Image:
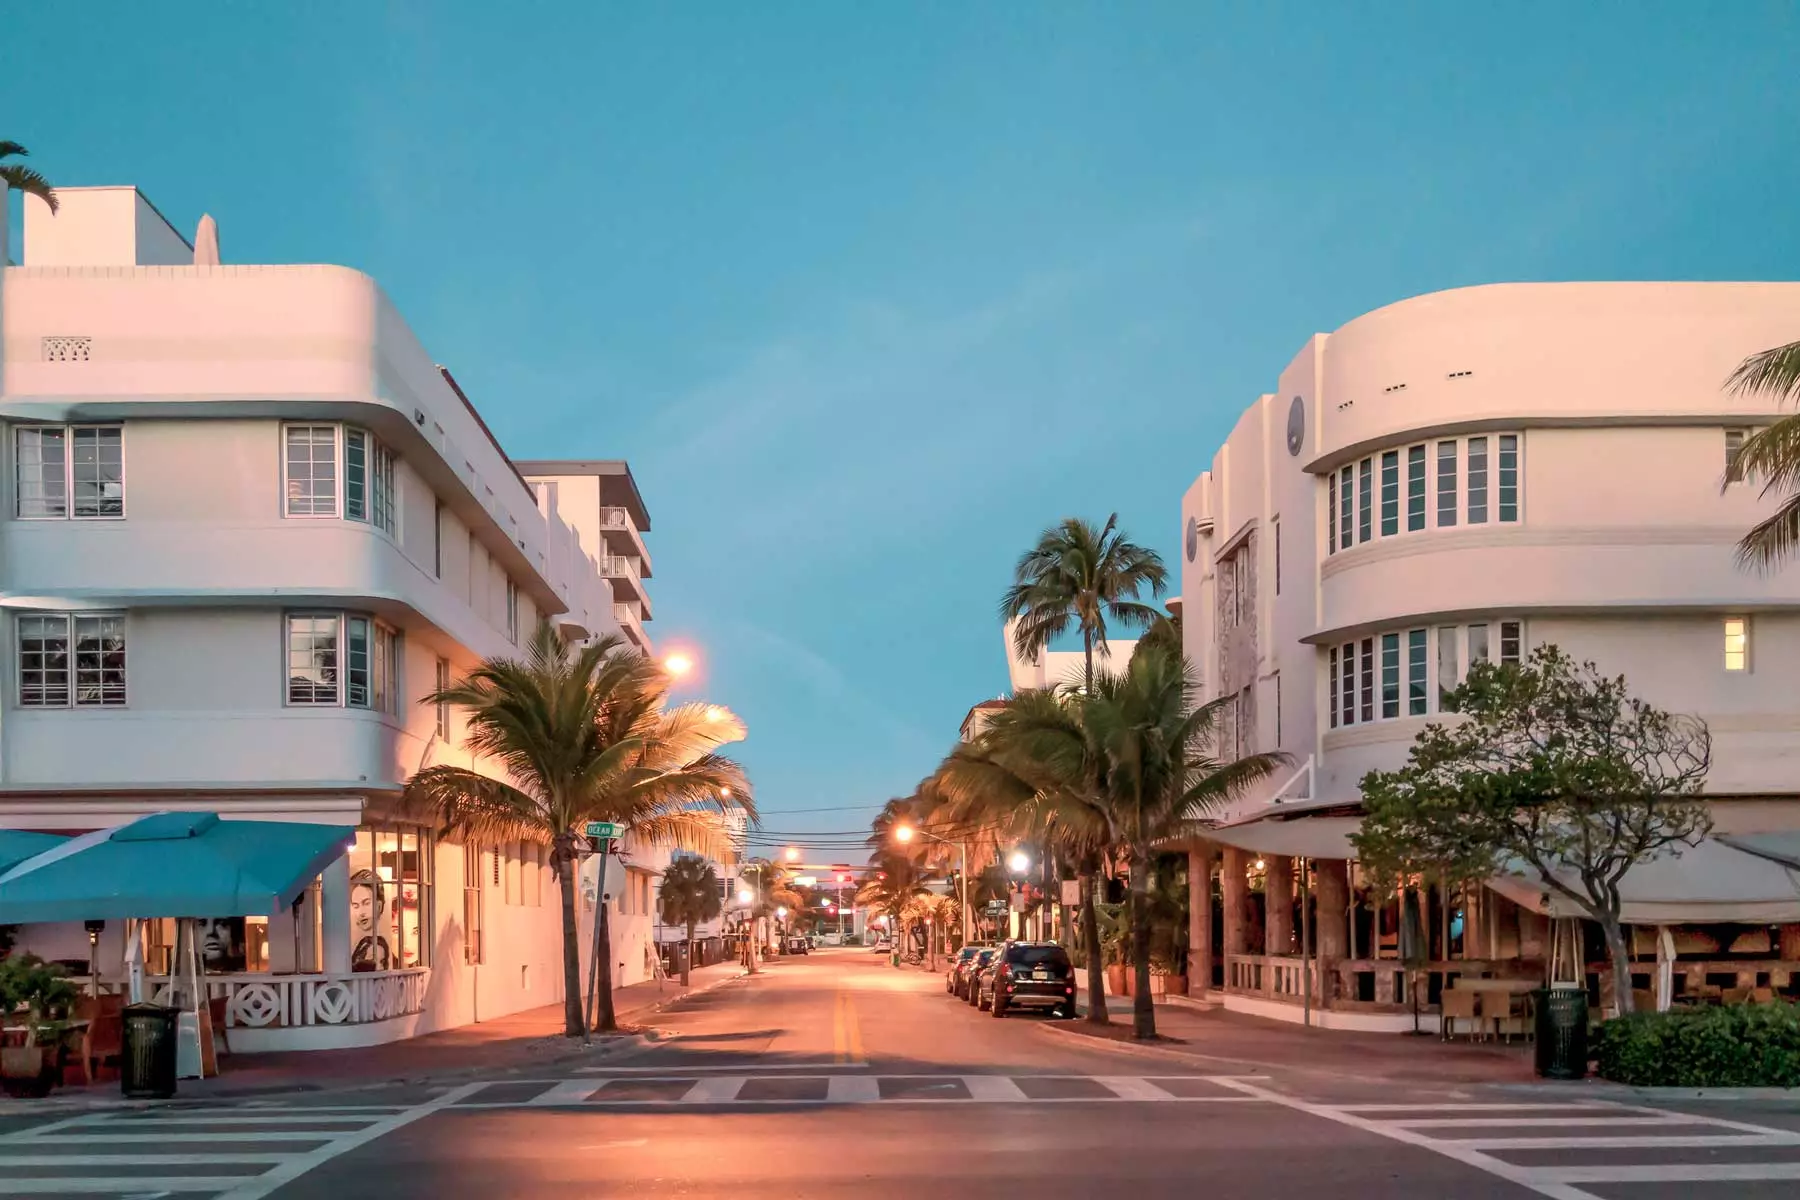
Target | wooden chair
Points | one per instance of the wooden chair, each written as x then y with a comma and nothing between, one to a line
1456,1004
104,1036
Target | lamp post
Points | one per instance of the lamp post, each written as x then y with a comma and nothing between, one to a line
1017,864
748,898
906,833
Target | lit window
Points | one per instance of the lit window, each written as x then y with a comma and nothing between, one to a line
52,461
97,677
1390,493
1415,489
1737,643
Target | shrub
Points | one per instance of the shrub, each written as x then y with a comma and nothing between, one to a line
1743,1045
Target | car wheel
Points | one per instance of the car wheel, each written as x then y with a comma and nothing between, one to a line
1067,1012
997,1008
981,1004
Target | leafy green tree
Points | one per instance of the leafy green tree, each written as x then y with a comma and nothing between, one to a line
689,894
1552,770
585,734
1771,454
23,178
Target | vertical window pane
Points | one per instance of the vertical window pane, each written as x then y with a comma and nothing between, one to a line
1368,679
356,475
1347,696
1331,513
1365,488
41,467
1509,477
1478,481
1346,506
1446,484
1277,524
1331,685
1448,672
1478,644
437,539
512,604
1390,676
312,486
1734,444
1390,493
443,706
97,463
1415,488
1511,641
1737,644
357,670
312,660
1416,695
100,660
43,662
381,487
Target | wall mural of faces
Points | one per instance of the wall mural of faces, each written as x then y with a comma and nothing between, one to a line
389,895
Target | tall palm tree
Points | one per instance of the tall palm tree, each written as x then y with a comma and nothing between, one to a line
1771,454
584,734
23,178
1162,779
690,893
1078,576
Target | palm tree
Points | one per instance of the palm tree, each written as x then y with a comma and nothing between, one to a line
1771,454
1161,779
22,177
1079,576
690,893
584,734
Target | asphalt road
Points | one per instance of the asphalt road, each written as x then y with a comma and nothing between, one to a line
836,1075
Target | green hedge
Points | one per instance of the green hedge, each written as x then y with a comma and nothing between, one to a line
1739,1045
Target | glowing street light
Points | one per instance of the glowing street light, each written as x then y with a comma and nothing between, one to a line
1019,863
678,663
792,854
744,896
903,833
781,913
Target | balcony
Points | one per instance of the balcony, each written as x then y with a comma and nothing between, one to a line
632,626
628,583
620,533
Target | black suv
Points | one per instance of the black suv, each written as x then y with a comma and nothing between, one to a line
1029,975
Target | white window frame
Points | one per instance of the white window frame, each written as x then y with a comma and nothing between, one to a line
379,500
68,433
72,670
1393,498
381,656
1356,670
1742,651
442,680
512,611
1735,437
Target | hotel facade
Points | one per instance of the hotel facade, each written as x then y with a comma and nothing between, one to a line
1468,475
249,524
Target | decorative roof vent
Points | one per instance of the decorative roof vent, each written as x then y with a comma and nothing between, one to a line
67,349
206,242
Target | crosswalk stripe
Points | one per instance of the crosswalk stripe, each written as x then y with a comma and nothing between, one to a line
1684,1142
569,1091
1508,1122
1127,1087
135,1185
853,1089
1672,1173
995,1089
719,1089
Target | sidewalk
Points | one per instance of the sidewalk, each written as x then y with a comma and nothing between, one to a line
527,1040
1218,1035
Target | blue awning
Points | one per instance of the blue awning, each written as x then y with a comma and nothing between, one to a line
17,845
171,865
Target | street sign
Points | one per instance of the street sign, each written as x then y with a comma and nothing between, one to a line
603,829
995,906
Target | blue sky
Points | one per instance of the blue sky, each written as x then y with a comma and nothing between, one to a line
869,294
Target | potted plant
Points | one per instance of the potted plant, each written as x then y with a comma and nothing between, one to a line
35,996
1115,947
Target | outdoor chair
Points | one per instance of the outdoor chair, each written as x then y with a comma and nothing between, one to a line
103,1038
1506,1012
1455,1004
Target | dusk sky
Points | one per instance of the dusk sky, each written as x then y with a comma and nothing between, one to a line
870,294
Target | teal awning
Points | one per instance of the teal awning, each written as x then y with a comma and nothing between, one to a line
171,865
17,845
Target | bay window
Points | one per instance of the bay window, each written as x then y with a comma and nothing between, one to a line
1454,481
1395,673
342,660
314,486
69,472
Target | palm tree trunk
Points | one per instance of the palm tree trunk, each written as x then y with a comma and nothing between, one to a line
607,1021
1143,1005
573,1023
1090,939
1087,659
687,955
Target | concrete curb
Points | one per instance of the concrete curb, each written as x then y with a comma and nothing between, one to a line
1162,1053
1605,1089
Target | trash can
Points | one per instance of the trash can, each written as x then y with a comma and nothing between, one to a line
1562,1033
147,1064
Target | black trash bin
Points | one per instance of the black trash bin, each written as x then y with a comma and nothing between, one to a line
147,1064
1562,1033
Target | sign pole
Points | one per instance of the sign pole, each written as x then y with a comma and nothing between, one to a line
603,832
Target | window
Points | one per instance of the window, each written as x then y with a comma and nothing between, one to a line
1276,523
1512,641
1364,489
311,465
1734,445
1346,507
390,899
442,681
1737,643
97,677
1390,493
1331,686
437,540
1368,679
1331,539
1416,683
1390,676
1349,688
1275,683
471,902
1446,666
1446,484
1509,477
1478,481
512,611
1478,644
366,651
51,460
1415,489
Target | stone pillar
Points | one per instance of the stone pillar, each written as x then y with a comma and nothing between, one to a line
1200,947
1789,946
1278,905
334,915
1332,931
1234,893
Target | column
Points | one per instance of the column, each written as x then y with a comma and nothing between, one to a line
1789,947
1200,947
334,914
1278,905
1234,894
1332,931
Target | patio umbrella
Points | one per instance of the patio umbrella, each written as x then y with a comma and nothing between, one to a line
17,845
172,864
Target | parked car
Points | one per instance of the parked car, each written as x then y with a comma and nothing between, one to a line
1029,975
978,967
956,979
798,944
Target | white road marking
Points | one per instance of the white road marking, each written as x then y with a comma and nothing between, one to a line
1674,1173
752,1068
141,1139
1680,1142
1127,1087
1504,1122
132,1185
852,1089
719,1089
569,1091
994,1089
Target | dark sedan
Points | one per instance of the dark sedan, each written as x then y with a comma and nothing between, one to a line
956,979
1029,975
971,983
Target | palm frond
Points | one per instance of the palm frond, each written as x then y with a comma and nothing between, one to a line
24,179
1774,373
479,806
1774,539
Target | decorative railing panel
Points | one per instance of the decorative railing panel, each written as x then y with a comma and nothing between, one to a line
258,1001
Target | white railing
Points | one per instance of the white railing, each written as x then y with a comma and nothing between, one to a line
629,622
617,566
258,1001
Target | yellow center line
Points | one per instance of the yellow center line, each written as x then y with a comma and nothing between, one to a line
853,1032
839,1036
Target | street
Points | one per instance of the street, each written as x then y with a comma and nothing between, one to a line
836,1072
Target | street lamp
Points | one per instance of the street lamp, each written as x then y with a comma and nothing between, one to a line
744,896
1019,863
792,854
678,663
906,833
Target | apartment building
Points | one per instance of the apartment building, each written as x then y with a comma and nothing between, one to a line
249,523
1463,476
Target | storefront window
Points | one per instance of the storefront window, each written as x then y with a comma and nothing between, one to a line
390,899
228,945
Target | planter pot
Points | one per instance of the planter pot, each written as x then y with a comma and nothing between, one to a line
28,1070
1117,980
1175,984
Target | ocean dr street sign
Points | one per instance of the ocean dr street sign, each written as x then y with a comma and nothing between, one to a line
604,830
